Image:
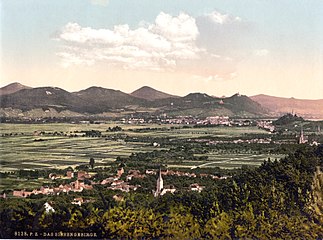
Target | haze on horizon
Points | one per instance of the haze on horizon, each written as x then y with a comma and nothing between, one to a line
218,47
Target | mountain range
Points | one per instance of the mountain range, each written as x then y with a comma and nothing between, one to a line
19,100
302,107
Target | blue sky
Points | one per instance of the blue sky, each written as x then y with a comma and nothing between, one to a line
219,47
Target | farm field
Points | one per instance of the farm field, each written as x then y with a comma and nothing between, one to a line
237,160
22,147
22,183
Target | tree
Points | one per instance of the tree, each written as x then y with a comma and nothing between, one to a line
124,223
219,227
181,225
92,162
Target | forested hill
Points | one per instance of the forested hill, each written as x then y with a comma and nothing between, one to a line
149,93
278,200
288,119
97,100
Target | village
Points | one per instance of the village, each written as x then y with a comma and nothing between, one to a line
198,121
119,182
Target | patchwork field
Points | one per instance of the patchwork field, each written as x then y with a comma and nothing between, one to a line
34,146
236,160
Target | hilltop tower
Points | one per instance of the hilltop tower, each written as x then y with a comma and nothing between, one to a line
160,185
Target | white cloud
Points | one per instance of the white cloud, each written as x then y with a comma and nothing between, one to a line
103,3
156,46
220,18
201,46
261,52
176,29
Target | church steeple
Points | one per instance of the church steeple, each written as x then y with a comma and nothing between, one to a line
160,184
301,139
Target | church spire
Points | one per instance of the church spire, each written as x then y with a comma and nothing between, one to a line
301,139
160,184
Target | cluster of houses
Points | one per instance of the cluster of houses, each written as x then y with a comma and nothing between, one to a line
117,184
161,189
212,120
113,183
191,120
184,174
236,141
217,120
266,125
76,186
81,175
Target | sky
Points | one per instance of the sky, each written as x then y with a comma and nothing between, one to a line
218,47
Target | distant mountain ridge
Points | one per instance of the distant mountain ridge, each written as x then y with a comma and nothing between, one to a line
279,105
203,105
151,94
45,97
98,100
12,88
108,99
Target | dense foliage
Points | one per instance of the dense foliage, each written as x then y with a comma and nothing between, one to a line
270,202
287,119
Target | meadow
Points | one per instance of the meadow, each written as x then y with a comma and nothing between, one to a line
35,146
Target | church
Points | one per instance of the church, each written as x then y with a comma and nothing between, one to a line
302,138
160,190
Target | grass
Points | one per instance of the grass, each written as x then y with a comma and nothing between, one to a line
21,151
21,183
226,161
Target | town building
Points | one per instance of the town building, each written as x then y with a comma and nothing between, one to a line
166,189
4,195
70,174
196,187
120,171
78,201
21,193
82,175
48,208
